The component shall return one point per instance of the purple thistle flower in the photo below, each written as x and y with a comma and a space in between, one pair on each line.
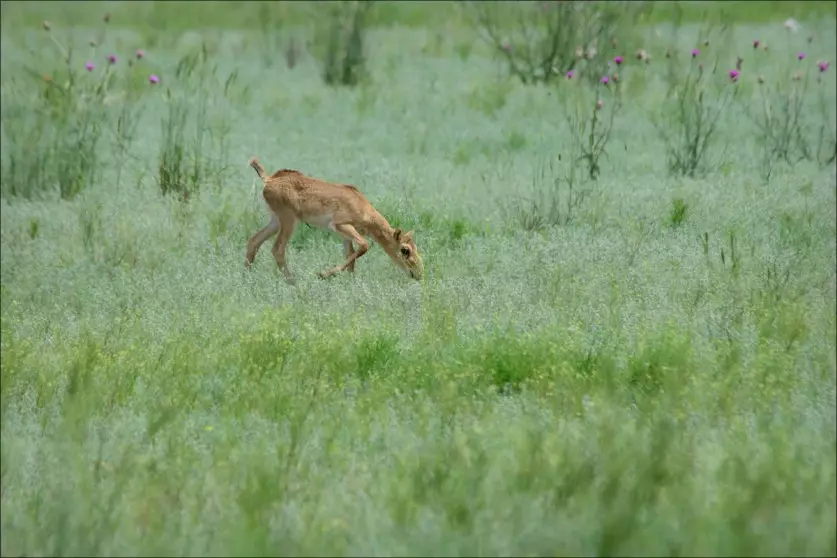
112, 58
153, 79
89, 66
140, 53
756, 43
605, 80
823, 66
570, 74
801, 56
695, 52
733, 75
618, 60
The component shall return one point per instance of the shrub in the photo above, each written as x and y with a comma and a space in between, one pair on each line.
551, 38
342, 43
697, 100
780, 115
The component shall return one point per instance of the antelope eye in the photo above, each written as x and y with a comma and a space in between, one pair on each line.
405, 251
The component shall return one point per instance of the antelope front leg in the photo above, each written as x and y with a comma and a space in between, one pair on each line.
258, 239
349, 235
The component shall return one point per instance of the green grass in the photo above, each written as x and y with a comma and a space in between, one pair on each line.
179, 15
650, 370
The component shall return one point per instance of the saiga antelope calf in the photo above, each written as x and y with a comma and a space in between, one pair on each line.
292, 197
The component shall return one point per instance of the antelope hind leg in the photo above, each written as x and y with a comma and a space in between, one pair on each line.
288, 225
258, 239
347, 251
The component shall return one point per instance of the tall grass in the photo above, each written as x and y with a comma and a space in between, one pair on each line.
54, 143
640, 364
194, 145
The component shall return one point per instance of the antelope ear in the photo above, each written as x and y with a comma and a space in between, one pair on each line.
407, 237
397, 235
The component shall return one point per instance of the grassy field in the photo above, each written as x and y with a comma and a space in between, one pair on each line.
637, 364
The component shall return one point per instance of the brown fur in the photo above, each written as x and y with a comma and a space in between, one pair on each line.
292, 197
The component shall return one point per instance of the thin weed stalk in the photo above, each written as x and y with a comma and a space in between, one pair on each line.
826, 152
691, 118
591, 124
780, 122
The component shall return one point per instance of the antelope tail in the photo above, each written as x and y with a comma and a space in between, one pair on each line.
254, 162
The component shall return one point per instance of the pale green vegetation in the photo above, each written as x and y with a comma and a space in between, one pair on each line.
638, 364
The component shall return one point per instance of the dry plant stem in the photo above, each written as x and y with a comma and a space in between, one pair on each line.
292, 197
826, 134
695, 122
781, 126
594, 145
780, 131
